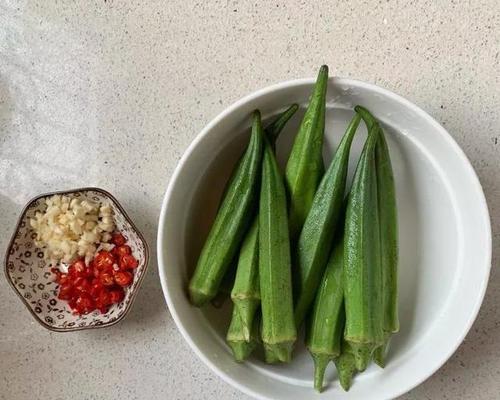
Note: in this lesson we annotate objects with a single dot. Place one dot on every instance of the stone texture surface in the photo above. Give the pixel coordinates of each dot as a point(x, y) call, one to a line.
point(111, 93)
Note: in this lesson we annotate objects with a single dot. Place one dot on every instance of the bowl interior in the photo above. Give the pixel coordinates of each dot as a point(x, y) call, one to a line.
point(436, 193)
point(31, 278)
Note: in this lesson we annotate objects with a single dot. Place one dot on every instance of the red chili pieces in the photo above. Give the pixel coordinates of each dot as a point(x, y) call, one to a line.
point(101, 283)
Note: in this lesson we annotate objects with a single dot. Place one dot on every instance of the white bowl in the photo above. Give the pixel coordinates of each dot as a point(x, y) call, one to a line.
point(445, 239)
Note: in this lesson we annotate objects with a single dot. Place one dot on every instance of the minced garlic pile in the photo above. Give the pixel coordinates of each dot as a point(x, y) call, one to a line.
point(71, 228)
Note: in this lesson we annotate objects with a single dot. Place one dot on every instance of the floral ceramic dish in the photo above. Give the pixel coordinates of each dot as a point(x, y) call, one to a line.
point(30, 276)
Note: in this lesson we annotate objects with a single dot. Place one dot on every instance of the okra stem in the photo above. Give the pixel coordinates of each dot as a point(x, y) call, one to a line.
point(274, 129)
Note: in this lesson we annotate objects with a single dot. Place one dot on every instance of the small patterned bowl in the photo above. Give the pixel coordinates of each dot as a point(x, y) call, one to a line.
point(31, 279)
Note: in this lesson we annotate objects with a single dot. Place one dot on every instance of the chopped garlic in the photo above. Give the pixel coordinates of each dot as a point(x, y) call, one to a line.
point(72, 228)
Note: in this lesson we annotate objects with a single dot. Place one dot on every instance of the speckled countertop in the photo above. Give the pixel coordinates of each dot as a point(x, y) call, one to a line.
point(139, 81)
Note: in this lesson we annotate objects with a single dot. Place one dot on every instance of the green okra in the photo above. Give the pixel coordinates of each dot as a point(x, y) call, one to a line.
point(231, 221)
point(362, 262)
point(388, 222)
point(325, 328)
point(274, 129)
point(305, 164)
point(317, 234)
point(278, 327)
point(245, 293)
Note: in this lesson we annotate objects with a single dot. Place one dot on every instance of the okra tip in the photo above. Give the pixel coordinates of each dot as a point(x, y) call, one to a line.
point(361, 109)
point(366, 115)
point(345, 377)
point(256, 115)
point(198, 298)
point(345, 381)
point(288, 113)
point(323, 70)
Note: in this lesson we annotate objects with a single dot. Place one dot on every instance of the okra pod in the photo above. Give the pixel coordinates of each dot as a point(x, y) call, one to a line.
point(278, 326)
point(388, 222)
point(231, 221)
point(316, 237)
point(305, 164)
point(362, 267)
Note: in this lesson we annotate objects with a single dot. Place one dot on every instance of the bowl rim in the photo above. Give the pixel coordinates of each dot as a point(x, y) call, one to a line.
point(133, 294)
point(297, 83)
